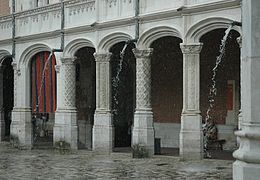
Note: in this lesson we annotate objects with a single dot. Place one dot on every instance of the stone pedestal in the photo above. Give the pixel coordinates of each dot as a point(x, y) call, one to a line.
point(65, 126)
point(191, 136)
point(21, 127)
point(143, 128)
point(103, 130)
point(247, 164)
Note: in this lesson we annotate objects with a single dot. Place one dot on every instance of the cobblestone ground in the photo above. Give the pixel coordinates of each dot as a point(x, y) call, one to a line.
point(49, 164)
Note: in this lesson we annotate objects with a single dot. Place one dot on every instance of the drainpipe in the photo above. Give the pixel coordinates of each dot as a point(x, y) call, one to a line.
point(137, 26)
point(62, 37)
point(62, 25)
point(13, 28)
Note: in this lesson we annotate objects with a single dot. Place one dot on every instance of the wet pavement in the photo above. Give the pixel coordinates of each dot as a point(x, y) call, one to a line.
point(49, 164)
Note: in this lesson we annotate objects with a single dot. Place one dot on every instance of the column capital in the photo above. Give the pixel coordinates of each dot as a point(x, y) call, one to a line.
point(102, 57)
point(194, 48)
point(239, 41)
point(68, 60)
point(15, 68)
point(143, 53)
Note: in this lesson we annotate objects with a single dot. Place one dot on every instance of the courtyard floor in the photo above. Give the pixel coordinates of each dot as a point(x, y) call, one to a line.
point(49, 164)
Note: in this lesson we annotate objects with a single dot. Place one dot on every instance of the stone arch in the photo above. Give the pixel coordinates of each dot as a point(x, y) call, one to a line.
point(108, 41)
point(204, 26)
point(76, 44)
point(153, 34)
point(29, 52)
point(3, 55)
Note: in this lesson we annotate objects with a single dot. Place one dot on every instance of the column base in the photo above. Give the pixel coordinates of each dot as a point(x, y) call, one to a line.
point(65, 130)
point(245, 171)
point(191, 137)
point(103, 133)
point(21, 128)
point(143, 131)
point(247, 164)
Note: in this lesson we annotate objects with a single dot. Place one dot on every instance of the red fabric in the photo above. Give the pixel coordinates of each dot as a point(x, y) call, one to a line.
point(46, 99)
point(230, 97)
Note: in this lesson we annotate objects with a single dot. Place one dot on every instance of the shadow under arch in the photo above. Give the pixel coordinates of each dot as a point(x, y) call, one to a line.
point(108, 41)
point(151, 35)
point(204, 26)
point(73, 46)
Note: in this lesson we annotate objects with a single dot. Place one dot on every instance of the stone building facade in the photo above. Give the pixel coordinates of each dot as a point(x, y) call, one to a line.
point(166, 70)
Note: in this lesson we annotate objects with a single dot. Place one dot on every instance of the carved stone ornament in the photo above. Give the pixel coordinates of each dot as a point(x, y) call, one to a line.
point(69, 73)
point(140, 53)
point(57, 68)
point(239, 41)
point(111, 2)
point(143, 78)
point(68, 60)
point(191, 48)
point(102, 57)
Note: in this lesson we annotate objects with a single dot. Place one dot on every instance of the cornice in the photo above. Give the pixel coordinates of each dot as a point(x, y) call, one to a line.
point(44, 35)
point(5, 18)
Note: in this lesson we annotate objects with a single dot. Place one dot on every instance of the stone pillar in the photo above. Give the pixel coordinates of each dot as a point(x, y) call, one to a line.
point(21, 125)
point(240, 116)
point(143, 129)
point(2, 120)
point(15, 121)
point(103, 130)
point(247, 164)
point(191, 136)
point(65, 126)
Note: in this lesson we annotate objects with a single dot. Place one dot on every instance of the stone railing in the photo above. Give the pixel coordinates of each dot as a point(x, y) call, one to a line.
point(39, 20)
point(87, 13)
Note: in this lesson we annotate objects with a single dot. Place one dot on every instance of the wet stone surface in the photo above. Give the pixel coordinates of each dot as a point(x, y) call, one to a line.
point(50, 164)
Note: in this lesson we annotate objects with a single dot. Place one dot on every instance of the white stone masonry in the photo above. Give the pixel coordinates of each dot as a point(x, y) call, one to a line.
point(143, 129)
point(66, 127)
point(103, 130)
point(191, 137)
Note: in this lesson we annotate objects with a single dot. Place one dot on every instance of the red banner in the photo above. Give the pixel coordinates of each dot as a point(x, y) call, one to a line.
point(43, 84)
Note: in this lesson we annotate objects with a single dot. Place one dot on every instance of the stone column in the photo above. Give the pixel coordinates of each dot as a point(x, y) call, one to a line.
point(191, 136)
point(14, 128)
point(247, 164)
point(143, 129)
point(240, 116)
point(2, 120)
point(65, 126)
point(103, 130)
point(21, 125)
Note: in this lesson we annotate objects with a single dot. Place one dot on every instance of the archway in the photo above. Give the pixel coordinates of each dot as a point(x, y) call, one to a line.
point(167, 89)
point(85, 95)
point(227, 101)
point(7, 94)
point(43, 97)
point(123, 92)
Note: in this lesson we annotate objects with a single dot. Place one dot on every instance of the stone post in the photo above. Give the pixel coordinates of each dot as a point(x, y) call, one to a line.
point(191, 136)
point(14, 127)
point(143, 129)
point(103, 130)
point(247, 164)
point(21, 125)
point(240, 116)
point(2, 120)
point(65, 127)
